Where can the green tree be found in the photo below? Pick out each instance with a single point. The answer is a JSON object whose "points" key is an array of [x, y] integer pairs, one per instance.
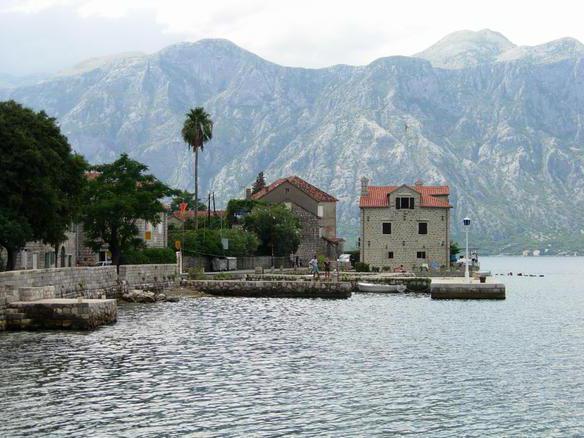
{"points": [[69, 204], [180, 196], [208, 242], [197, 130], [277, 228], [259, 183], [454, 249], [120, 195], [41, 179], [237, 209]]}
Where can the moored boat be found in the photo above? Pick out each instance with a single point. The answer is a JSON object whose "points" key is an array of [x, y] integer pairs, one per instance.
{"points": [[380, 287]]}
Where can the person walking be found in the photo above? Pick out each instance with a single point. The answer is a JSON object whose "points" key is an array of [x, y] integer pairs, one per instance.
{"points": [[327, 269], [313, 264]]}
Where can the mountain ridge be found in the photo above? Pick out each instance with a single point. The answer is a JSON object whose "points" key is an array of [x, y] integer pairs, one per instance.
{"points": [[506, 136]]}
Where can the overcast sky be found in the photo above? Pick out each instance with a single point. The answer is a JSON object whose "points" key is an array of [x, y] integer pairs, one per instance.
{"points": [[39, 36]]}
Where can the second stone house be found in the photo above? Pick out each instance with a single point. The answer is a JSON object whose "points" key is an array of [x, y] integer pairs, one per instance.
{"points": [[317, 211], [405, 225]]}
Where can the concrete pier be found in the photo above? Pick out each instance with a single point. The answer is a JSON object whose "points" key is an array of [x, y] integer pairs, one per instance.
{"points": [[273, 289], [464, 291]]}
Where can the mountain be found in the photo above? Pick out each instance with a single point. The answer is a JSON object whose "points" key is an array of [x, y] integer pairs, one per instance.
{"points": [[466, 48], [501, 125]]}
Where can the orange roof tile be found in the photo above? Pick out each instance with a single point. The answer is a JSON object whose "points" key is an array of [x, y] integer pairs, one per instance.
{"points": [[378, 196], [312, 191]]}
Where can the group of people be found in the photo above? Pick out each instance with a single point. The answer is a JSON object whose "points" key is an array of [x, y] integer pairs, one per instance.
{"points": [[315, 270]]}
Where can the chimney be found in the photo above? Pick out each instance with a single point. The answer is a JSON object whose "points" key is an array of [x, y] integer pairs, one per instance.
{"points": [[364, 186], [248, 194], [419, 183]]}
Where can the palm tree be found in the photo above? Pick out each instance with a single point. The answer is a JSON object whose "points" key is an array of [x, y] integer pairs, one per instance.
{"points": [[197, 130]]}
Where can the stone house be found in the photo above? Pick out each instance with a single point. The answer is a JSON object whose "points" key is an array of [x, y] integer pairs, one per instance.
{"points": [[316, 210], [74, 252], [404, 225]]}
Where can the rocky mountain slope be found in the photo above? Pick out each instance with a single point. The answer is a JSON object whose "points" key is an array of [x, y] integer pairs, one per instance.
{"points": [[501, 124]]}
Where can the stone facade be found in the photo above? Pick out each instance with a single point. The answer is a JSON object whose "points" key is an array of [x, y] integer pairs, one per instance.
{"points": [[402, 242], [74, 252], [317, 212]]}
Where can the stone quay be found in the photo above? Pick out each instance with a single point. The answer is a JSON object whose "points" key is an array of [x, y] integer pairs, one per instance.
{"points": [[36, 308], [273, 289]]}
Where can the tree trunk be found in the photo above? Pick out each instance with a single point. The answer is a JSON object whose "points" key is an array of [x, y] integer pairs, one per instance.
{"points": [[114, 248], [11, 259], [116, 258], [196, 188]]}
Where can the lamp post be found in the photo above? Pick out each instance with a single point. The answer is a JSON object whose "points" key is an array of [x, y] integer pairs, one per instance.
{"points": [[466, 223]]}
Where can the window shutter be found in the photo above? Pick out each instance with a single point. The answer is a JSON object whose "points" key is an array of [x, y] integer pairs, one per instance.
{"points": [[397, 203]]}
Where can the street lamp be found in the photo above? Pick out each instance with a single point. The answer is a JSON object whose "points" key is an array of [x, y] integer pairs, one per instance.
{"points": [[466, 223]]}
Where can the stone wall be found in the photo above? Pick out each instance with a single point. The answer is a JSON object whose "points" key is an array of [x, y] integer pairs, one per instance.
{"points": [[89, 282], [2, 309], [136, 275]]}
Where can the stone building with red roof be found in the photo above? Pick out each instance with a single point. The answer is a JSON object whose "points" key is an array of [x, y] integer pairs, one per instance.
{"points": [[317, 211], [405, 225]]}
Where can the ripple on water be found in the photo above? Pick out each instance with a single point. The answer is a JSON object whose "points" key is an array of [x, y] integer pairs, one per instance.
{"points": [[369, 365]]}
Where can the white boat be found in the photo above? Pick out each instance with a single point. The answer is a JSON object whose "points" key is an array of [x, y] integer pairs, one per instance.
{"points": [[380, 287]]}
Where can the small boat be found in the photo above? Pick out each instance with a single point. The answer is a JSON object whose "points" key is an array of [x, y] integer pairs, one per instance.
{"points": [[380, 287]]}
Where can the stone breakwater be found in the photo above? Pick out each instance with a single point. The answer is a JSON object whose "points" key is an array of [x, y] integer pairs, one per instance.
{"points": [[91, 283], [412, 283], [473, 291], [36, 308], [272, 289], [60, 313]]}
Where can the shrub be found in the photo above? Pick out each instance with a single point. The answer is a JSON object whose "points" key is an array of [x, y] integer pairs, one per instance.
{"points": [[196, 273], [208, 242], [149, 256], [361, 267]]}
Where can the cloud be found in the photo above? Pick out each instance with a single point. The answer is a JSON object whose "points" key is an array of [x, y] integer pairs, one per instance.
{"points": [[55, 38], [308, 33]]}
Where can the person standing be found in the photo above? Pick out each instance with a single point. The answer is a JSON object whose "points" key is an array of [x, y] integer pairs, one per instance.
{"points": [[327, 269], [313, 264]]}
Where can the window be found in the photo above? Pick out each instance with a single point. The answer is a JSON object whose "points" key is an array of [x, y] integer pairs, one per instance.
{"points": [[402, 203], [421, 254], [386, 228], [320, 211], [422, 227], [390, 255], [368, 243]]}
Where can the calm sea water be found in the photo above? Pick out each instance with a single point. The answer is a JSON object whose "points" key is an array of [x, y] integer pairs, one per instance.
{"points": [[371, 365]]}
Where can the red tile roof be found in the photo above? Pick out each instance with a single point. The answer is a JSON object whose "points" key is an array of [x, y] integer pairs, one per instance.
{"points": [[378, 196], [312, 191]]}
